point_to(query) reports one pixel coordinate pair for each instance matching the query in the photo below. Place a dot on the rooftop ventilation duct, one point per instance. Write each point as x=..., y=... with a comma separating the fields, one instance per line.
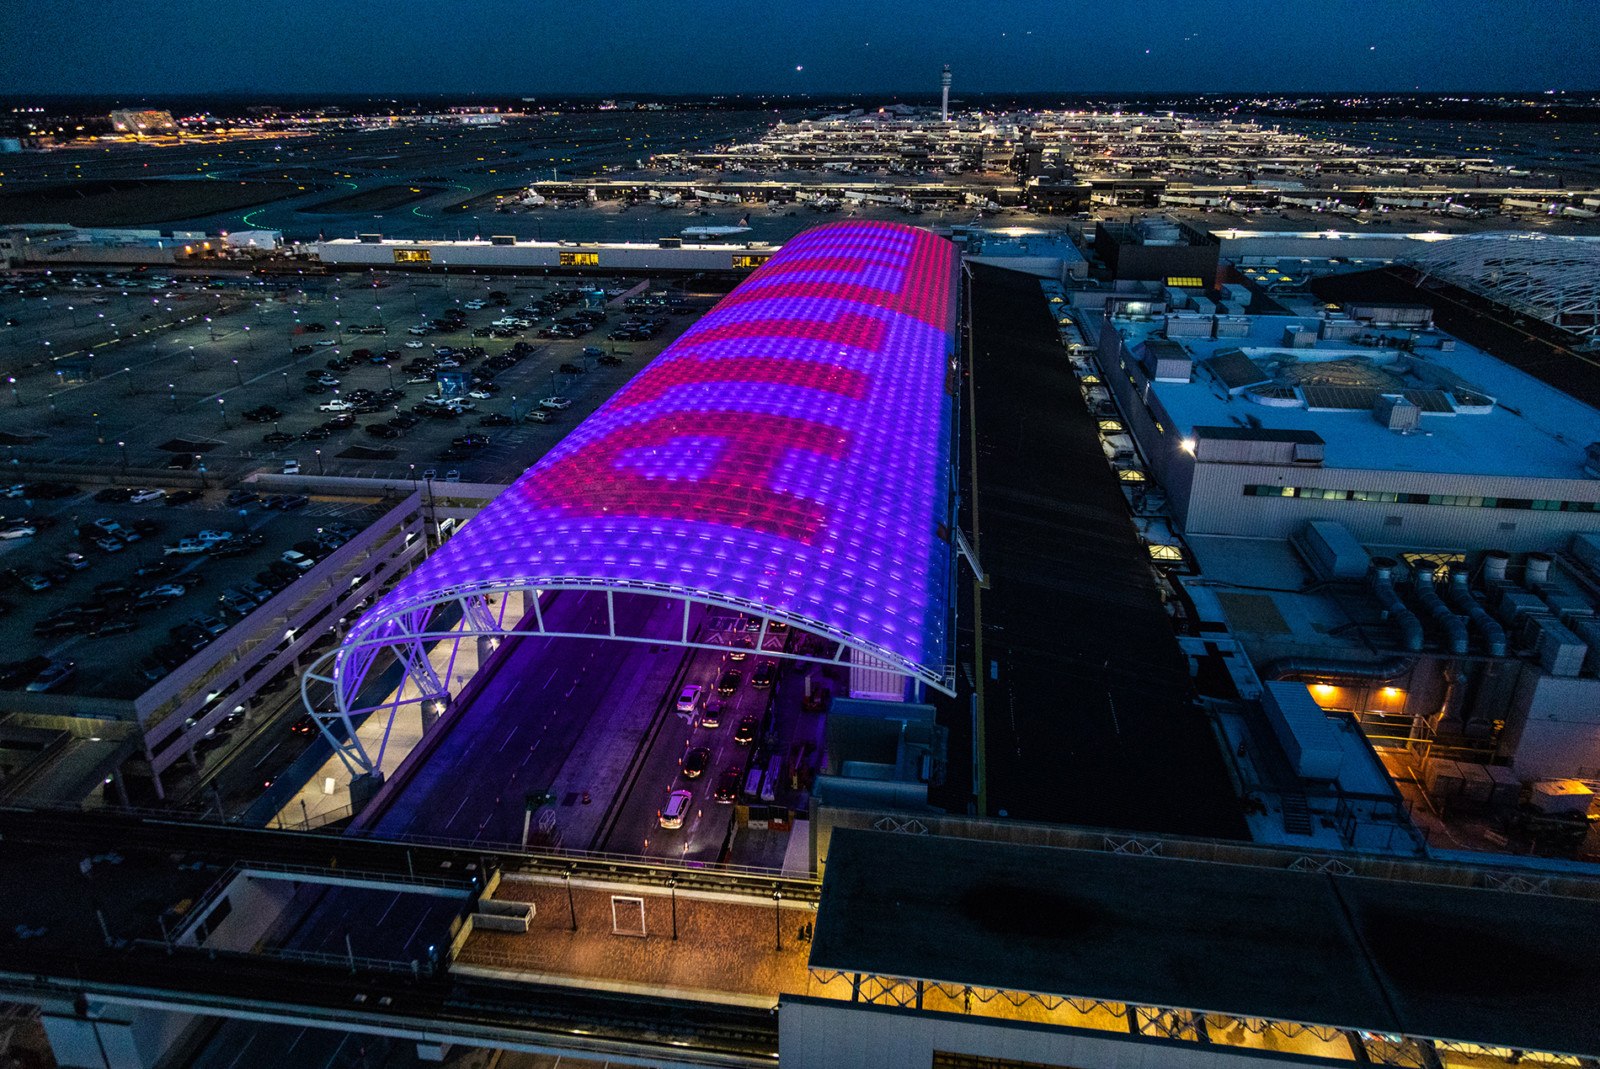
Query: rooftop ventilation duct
x=1453, y=626
x=1488, y=628
x=1393, y=608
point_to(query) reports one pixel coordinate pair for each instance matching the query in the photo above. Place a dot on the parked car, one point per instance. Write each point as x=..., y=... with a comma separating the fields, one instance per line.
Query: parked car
x=54, y=677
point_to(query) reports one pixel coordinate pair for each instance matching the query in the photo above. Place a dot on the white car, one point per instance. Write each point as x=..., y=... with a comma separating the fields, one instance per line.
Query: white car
x=473, y=306
x=291, y=467
x=144, y=494
x=20, y=531
x=297, y=560
x=689, y=698
x=415, y=345
x=677, y=807
x=558, y=403
x=325, y=342
x=481, y=395
x=186, y=547
x=335, y=406
x=215, y=536
x=539, y=417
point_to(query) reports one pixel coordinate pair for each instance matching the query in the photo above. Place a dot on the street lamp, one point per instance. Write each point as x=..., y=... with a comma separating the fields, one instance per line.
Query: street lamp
x=172, y=394
x=11, y=381
x=211, y=330
x=128, y=371
x=247, y=339
x=193, y=363
x=319, y=460
x=237, y=374
x=124, y=447
x=223, y=403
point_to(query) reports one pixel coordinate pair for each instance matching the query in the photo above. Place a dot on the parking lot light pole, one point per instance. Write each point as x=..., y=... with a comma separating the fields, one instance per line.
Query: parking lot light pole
x=124, y=447
x=172, y=394
x=237, y=374
x=222, y=402
x=285, y=382
x=132, y=383
x=16, y=398
x=194, y=363
x=319, y=460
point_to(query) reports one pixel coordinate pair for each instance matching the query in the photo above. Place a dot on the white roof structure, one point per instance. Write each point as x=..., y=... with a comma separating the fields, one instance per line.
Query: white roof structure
x=1552, y=277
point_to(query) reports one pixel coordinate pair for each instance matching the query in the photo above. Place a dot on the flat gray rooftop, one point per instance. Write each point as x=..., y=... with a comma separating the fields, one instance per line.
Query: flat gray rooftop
x=1496, y=968
x=1534, y=430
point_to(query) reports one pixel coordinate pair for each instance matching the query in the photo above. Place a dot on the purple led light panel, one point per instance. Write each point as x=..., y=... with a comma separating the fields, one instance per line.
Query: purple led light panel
x=791, y=451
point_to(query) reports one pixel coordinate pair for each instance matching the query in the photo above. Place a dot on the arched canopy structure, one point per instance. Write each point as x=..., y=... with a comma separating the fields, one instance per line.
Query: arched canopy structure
x=788, y=457
x=1553, y=277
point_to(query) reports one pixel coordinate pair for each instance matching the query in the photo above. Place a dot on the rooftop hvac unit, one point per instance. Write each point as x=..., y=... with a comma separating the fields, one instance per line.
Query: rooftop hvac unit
x=370, y=239
x=1298, y=337
x=1397, y=413
x=502, y=239
x=670, y=243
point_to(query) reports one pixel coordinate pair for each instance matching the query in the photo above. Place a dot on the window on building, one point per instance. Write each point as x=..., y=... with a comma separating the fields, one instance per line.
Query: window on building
x=579, y=259
x=413, y=256
x=749, y=260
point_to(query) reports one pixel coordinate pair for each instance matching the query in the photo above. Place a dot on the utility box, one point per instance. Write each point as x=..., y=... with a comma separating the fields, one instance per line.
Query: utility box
x=1309, y=739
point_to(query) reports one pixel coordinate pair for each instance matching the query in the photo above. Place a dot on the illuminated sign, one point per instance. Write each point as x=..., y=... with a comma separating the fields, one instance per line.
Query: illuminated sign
x=579, y=259
x=747, y=259
x=792, y=450
x=413, y=256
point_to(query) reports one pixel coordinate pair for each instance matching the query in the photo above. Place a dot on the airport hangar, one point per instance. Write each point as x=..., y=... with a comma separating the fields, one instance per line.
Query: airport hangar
x=789, y=458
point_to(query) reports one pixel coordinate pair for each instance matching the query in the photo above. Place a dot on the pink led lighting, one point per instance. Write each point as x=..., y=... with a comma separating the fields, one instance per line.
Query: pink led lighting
x=791, y=451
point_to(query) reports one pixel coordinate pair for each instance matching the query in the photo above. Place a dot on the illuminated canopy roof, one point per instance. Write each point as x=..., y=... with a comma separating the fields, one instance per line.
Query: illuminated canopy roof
x=789, y=455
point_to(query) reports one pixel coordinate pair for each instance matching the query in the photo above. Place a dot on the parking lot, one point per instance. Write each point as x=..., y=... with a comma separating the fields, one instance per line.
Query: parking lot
x=125, y=591
x=94, y=386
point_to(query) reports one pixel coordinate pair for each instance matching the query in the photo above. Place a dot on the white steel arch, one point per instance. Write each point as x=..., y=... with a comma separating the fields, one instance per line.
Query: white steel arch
x=1552, y=277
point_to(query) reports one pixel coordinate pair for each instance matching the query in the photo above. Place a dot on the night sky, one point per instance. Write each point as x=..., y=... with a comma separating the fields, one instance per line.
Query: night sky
x=821, y=46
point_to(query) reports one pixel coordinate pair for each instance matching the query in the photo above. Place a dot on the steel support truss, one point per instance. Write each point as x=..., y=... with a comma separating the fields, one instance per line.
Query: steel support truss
x=1552, y=277
x=415, y=637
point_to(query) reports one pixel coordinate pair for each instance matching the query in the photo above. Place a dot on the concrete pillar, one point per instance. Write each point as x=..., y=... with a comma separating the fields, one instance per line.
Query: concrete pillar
x=120, y=787
x=363, y=789
x=95, y=1036
x=485, y=650
x=432, y=1052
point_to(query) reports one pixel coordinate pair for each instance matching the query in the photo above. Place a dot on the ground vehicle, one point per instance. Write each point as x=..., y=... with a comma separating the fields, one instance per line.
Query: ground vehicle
x=291, y=467
x=383, y=430
x=556, y=402
x=745, y=733
x=144, y=494
x=610, y=361
x=107, y=544
x=729, y=682
x=728, y=785
x=495, y=419
x=117, y=625
x=305, y=725
x=316, y=434
x=695, y=762
x=182, y=497
x=539, y=417
x=58, y=674
x=186, y=547
x=75, y=561
x=711, y=715
x=20, y=531
x=297, y=559
x=470, y=441
x=571, y=369
x=114, y=495
x=277, y=438
x=689, y=698
x=336, y=405
x=677, y=807
x=765, y=673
